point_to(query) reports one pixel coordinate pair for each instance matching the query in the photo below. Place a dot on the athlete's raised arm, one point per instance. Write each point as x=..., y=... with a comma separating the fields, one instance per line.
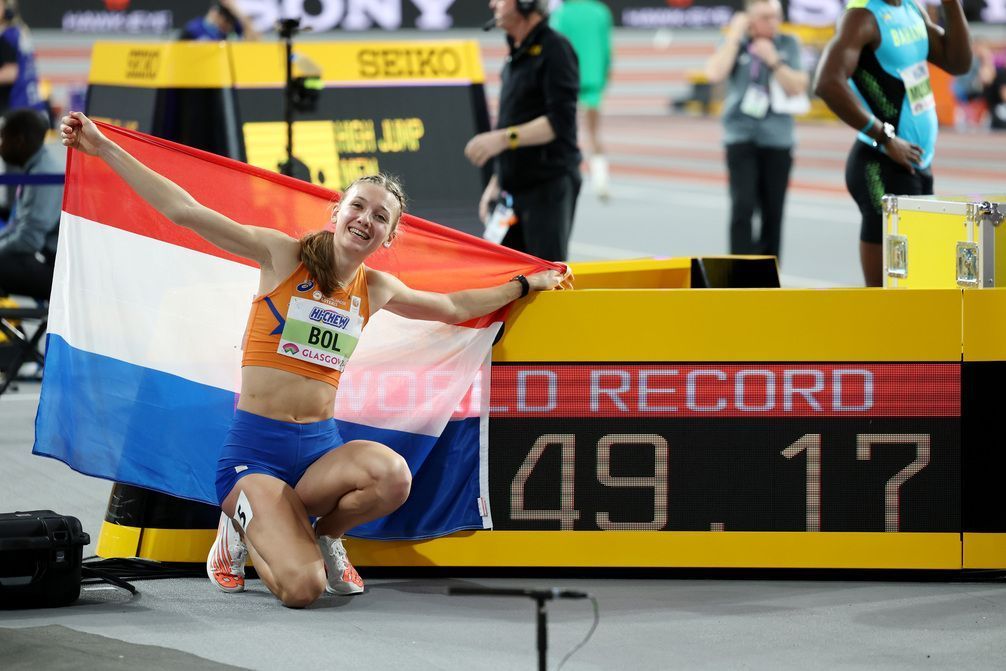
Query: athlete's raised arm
x=250, y=242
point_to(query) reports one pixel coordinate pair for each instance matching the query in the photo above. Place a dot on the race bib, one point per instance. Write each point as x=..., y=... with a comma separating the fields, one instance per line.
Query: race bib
x=755, y=102
x=321, y=333
x=917, y=88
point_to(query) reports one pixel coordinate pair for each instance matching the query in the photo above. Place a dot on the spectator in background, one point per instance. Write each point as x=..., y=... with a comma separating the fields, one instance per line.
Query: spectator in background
x=222, y=19
x=995, y=90
x=971, y=88
x=874, y=76
x=765, y=85
x=537, y=160
x=18, y=77
x=28, y=242
x=587, y=26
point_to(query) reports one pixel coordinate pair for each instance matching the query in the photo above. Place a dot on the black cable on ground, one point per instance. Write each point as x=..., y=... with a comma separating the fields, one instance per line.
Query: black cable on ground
x=139, y=569
x=593, y=628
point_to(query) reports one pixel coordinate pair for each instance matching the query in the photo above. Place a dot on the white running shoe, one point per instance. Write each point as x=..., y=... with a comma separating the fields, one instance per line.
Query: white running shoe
x=599, y=176
x=342, y=577
x=225, y=564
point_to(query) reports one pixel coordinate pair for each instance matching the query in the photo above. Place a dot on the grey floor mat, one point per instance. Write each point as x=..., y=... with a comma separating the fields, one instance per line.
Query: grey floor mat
x=58, y=648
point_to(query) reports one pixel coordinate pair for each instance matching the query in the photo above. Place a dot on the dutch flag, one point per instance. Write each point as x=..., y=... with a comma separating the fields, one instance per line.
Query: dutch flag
x=146, y=322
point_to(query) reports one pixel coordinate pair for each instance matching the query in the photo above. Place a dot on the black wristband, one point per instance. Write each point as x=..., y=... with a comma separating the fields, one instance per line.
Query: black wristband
x=525, y=286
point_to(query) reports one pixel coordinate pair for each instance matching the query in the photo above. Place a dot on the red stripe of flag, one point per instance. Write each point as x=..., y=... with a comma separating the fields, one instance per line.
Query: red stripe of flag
x=424, y=255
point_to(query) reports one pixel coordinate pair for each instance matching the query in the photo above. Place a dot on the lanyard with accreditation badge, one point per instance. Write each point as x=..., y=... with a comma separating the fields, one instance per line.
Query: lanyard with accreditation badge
x=755, y=102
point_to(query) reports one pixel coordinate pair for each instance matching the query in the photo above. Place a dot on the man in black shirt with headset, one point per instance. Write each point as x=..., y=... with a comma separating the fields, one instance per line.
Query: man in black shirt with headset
x=537, y=160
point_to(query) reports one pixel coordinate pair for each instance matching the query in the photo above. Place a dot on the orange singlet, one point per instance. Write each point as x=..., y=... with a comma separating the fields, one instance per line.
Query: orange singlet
x=298, y=329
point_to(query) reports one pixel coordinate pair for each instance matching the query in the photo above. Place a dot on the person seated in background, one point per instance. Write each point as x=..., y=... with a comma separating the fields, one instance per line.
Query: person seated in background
x=221, y=20
x=28, y=242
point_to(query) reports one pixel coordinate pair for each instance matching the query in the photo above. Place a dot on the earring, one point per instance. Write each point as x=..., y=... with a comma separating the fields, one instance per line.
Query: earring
x=387, y=243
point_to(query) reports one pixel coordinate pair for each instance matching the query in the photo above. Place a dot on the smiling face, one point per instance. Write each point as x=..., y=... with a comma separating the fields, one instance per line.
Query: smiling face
x=365, y=218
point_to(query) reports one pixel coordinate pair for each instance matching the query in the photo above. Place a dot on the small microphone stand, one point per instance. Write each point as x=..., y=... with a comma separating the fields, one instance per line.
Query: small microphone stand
x=542, y=636
x=540, y=596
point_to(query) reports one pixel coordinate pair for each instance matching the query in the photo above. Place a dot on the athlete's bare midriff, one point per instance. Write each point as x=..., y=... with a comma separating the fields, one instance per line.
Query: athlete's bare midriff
x=287, y=397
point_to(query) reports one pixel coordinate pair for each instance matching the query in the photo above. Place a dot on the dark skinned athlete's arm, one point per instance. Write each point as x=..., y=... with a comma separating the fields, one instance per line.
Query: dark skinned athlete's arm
x=950, y=49
x=856, y=31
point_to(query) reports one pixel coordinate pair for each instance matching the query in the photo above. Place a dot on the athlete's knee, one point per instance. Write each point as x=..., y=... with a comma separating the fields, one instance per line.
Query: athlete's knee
x=395, y=479
x=301, y=589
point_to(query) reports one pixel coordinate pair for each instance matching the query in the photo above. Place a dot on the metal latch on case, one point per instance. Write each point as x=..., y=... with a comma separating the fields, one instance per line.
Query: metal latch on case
x=897, y=256
x=967, y=264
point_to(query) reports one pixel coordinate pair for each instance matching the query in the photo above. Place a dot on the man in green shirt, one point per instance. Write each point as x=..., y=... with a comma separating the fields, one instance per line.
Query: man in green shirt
x=587, y=25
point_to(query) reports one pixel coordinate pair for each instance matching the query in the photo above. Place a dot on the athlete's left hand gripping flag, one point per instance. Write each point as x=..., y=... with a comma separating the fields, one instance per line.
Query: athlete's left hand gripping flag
x=146, y=322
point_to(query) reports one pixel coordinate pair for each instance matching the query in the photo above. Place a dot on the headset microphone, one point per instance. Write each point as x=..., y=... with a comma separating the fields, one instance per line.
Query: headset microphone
x=489, y=25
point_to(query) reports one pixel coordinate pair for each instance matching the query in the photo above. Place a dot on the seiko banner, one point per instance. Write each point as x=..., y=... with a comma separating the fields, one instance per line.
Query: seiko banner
x=160, y=17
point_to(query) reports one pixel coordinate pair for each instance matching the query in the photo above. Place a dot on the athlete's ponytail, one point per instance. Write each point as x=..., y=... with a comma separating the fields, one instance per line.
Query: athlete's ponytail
x=318, y=256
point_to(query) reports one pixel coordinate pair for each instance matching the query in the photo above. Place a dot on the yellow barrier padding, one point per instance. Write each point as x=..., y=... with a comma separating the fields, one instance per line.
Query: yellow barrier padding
x=167, y=545
x=116, y=540
x=449, y=62
x=177, y=545
x=620, y=549
x=734, y=325
x=668, y=549
x=984, y=324
x=985, y=551
x=633, y=274
x=160, y=65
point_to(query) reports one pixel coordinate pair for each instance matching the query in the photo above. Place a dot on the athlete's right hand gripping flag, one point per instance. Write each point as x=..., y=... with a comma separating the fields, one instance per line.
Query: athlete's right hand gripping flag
x=146, y=320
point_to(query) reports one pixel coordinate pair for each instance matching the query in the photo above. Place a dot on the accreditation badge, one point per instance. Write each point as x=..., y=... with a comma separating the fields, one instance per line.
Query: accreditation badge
x=917, y=88
x=755, y=102
x=320, y=333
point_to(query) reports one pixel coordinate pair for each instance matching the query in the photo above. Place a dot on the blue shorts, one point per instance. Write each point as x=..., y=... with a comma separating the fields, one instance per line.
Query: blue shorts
x=284, y=450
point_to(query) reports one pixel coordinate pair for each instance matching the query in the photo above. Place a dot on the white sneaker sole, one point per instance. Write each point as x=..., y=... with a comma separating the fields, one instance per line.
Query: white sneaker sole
x=345, y=589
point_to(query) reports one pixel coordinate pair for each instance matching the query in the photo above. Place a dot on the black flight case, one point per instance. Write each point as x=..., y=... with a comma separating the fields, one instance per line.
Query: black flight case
x=40, y=559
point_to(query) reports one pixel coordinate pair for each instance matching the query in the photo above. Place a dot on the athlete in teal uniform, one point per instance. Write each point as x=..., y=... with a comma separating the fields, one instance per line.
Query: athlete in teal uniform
x=587, y=26
x=874, y=76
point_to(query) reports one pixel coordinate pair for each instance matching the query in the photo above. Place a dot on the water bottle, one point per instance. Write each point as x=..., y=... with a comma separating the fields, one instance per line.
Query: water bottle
x=500, y=219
